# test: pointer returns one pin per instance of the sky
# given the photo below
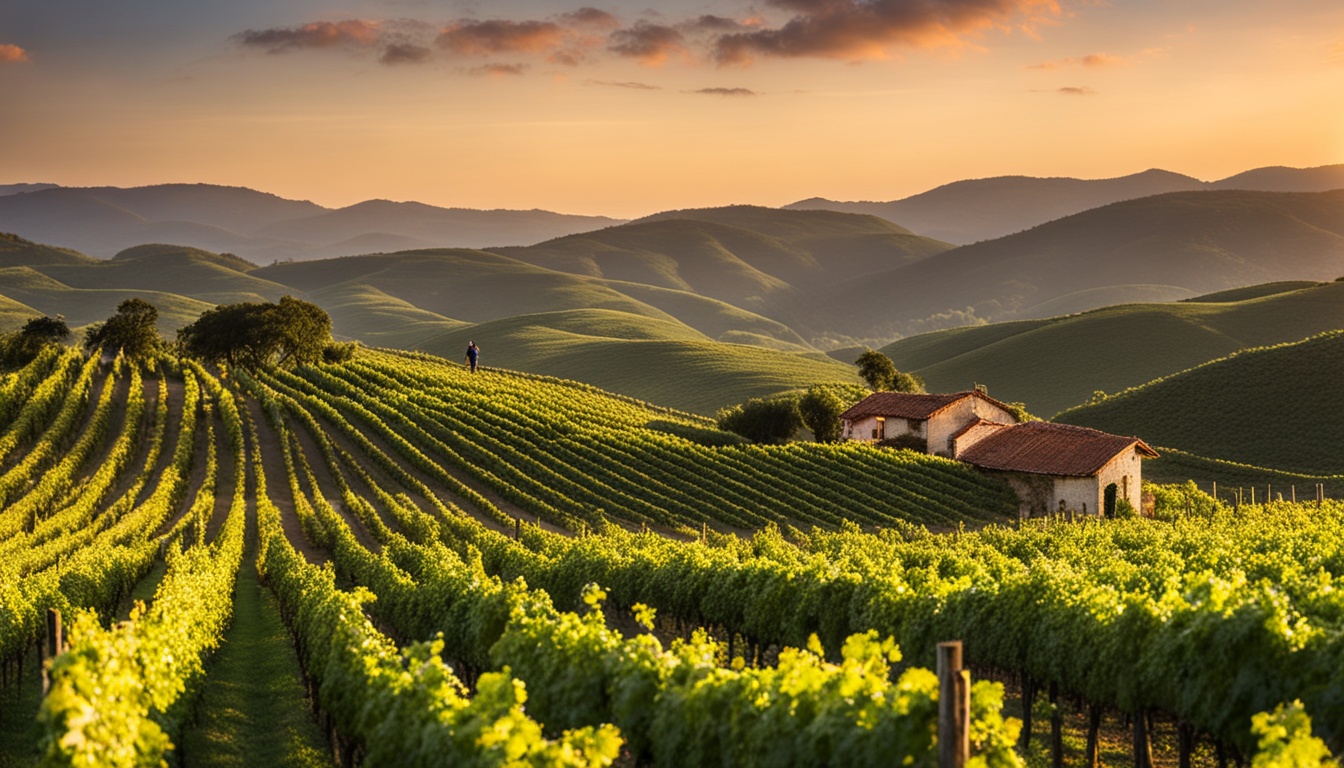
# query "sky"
(629, 108)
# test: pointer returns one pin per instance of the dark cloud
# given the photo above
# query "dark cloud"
(629, 84)
(591, 17)
(708, 23)
(498, 70)
(12, 54)
(868, 29)
(727, 92)
(500, 36)
(652, 44)
(405, 53)
(1075, 90)
(355, 33)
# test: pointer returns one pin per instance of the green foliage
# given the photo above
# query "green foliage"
(38, 333)
(763, 420)
(876, 369)
(880, 372)
(820, 408)
(1285, 740)
(132, 330)
(251, 335)
(1172, 501)
(339, 352)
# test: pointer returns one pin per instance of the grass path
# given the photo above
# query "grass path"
(253, 710)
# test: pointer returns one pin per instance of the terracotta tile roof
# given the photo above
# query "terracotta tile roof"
(900, 405)
(976, 423)
(1040, 447)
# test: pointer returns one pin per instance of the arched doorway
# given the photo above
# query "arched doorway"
(1108, 506)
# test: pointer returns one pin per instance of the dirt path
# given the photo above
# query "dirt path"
(116, 423)
(226, 481)
(277, 483)
(330, 489)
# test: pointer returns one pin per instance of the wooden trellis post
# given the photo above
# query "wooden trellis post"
(954, 707)
(53, 647)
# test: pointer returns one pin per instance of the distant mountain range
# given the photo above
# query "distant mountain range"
(983, 209)
(101, 221)
(1158, 248)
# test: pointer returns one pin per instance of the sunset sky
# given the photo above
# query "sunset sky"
(628, 108)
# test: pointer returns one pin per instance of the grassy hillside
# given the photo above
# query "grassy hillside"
(1198, 242)
(82, 306)
(657, 361)
(748, 256)
(1059, 362)
(188, 272)
(1274, 407)
(13, 314)
(366, 314)
(475, 286)
(16, 251)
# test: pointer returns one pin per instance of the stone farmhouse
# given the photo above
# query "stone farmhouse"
(1056, 468)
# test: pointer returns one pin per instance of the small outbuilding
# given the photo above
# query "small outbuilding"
(1062, 468)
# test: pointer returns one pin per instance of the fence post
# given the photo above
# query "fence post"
(517, 528)
(954, 707)
(54, 646)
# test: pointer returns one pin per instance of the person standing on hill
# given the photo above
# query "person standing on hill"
(473, 352)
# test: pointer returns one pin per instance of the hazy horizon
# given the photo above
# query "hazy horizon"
(622, 111)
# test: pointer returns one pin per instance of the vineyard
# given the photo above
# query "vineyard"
(502, 569)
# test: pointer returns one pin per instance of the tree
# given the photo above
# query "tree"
(880, 372)
(38, 333)
(254, 335)
(132, 330)
(820, 409)
(774, 420)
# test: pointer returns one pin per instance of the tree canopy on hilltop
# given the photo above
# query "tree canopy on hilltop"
(132, 330)
(881, 374)
(253, 335)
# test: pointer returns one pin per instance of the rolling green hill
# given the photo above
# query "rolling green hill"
(1274, 407)
(474, 286)
(82, 306)
(1059, 362)
(15, 251)
(754, 258)
(654, 360)
(190, 272)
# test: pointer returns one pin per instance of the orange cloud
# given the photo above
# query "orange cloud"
(1335, 56)
(726, 92)
(12, 54)
(856, 30)
(1073, 90)
(499, 70)
(481, 38)
(633, 85)
(652, 44)
(357, 33)
(1092, 60)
